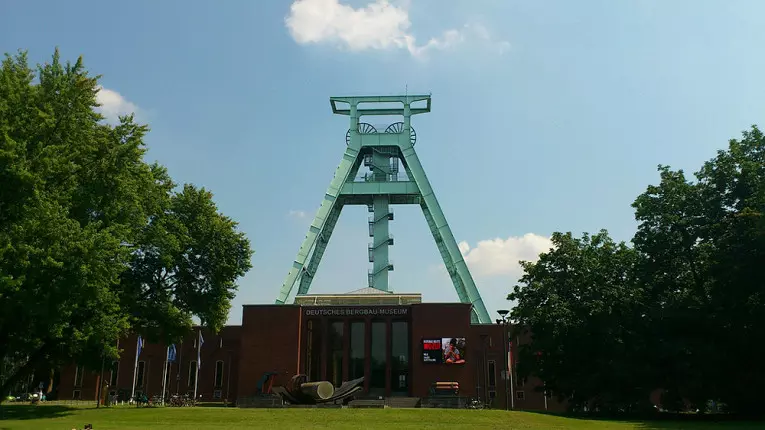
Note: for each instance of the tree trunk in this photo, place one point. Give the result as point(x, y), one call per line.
point(34, 360)
point(51, 377)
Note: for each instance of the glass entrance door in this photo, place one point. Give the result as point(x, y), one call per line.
point(378, 357)
point(399, 360)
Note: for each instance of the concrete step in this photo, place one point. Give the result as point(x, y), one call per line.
point(403, 402)
point(260, 402)
point(366, 403)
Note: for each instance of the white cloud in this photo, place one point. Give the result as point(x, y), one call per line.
point(494, 266)
point(113, 104)
point(483, 33)
point(498, 257)
point(296, 214)
point(378, 25)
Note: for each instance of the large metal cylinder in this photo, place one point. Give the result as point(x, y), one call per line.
point(320, 390)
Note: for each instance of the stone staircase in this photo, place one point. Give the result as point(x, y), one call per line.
point(367, 403)
point(260, 402)
point(402, 402)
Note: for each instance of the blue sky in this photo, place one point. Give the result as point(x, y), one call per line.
point(547, 115)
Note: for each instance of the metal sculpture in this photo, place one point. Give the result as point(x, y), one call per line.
point(382, 152)
point(301, 392)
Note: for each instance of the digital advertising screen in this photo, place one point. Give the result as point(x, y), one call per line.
point(445, 350)
point(431, 351)
point(453, 350)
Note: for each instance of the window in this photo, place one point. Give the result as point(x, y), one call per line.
point(492, 395)
point(218, 373)
point(313, 351)
point(520, 395)
point(115, 372)
point(358, 353)
point(76, 395)
point(378, 355)
point(336, 353)
point(220, 342)
point(492, 373)
point(169, 365)
point(399, 351)
point(78, 374)
point(192, 374)
point(168, 371)
point(139, 374)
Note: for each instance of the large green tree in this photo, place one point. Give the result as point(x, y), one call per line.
point(95, 241)
point(682, 312)
point(704, 243)
point(582, 305)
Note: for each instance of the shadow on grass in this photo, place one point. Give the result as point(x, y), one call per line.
point(669, 421)
point(29, 412)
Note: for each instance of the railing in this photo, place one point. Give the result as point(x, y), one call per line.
point(379, 128)
point(371, 275)
point(389, 177)
point(445, 402)
point(372, 219)
point(392, 299)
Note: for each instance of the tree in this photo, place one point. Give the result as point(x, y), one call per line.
point(704, 247)
point(185, 264)
point(673, 240)
point(582, 305)
point(733, 189)
point(683, 311)
point(80, 211)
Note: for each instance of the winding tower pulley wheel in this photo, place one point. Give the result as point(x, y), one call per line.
point(398, 127)
point(364, 128)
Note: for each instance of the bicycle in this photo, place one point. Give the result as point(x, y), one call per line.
point(474, 403)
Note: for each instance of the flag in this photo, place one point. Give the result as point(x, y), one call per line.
point(171, 353)
point(199, 350)
point(138, 347)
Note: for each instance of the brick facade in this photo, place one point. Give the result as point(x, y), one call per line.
point(291, 339)
point(222, 347)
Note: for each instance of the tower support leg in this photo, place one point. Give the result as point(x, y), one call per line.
point(318, 251)
point(455, 263)
point(328, 205)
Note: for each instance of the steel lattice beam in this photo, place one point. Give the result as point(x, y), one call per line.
point(381, 151)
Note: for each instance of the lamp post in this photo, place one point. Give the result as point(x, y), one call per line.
point(504, 322)
point(100, 388)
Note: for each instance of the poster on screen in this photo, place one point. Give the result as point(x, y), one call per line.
point(445, 350)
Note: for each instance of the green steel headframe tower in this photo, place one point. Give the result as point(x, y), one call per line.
point(381, 150)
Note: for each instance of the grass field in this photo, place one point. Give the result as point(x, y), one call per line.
point(131, 418)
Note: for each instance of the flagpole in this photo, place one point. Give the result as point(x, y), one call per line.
point(196, 377)
point(135, 366)
point(164, 375)
point(178, 370)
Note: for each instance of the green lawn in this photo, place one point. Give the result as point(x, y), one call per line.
point(65, 418)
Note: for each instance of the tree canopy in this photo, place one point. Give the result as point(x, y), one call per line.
point(682, 310)
point(94, 241)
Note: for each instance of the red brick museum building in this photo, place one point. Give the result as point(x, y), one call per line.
point(400, 346)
